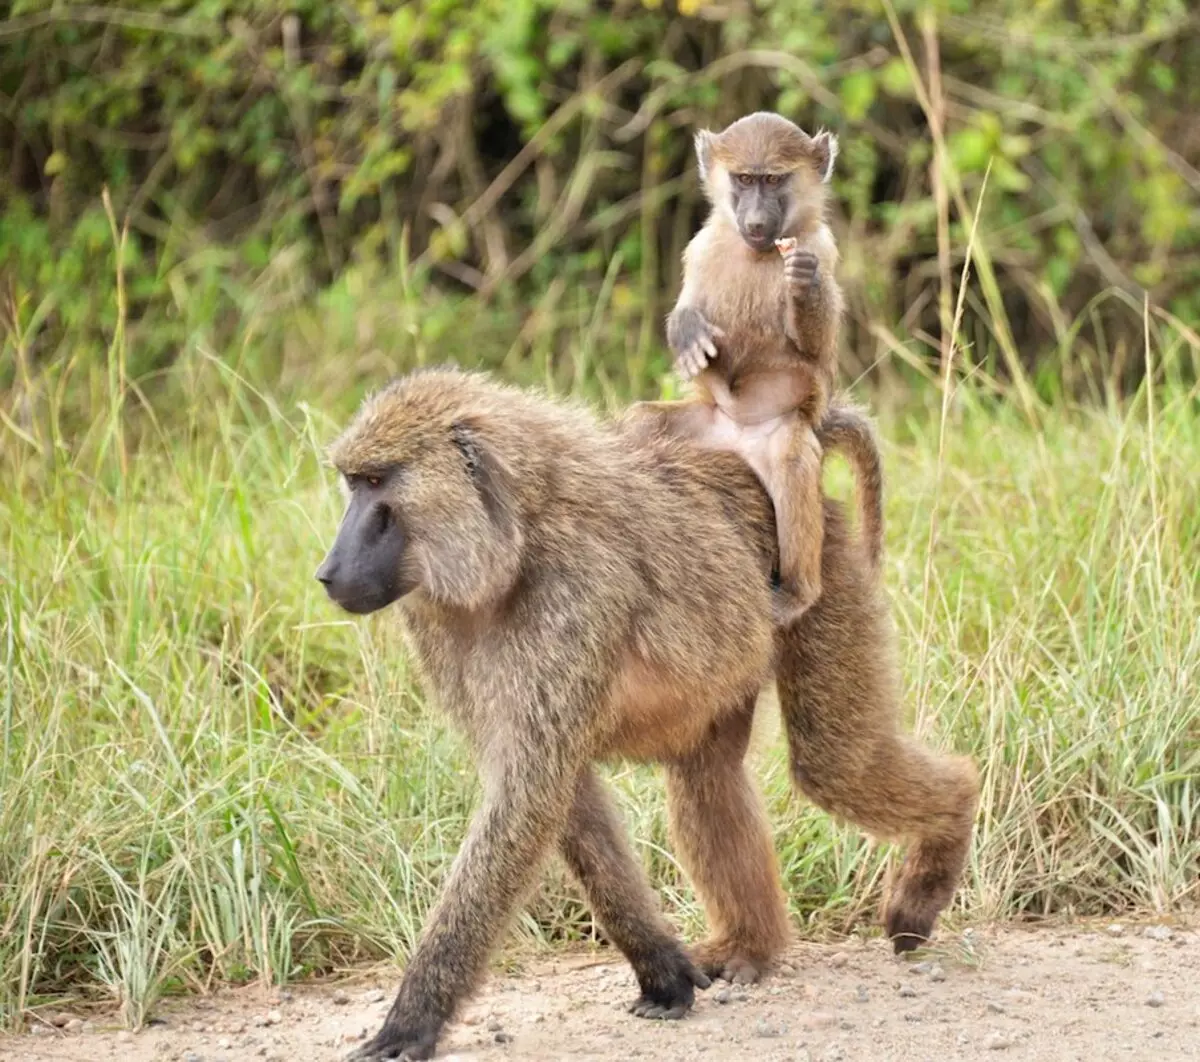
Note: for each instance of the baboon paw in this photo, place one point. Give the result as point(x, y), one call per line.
point(694, 341)
point(648, 1008)
point(669, 992)
point(414, 1045)
point(908, 929)
point(737, 969)
point(800, 271)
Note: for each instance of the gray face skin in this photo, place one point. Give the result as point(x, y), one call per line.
point(760, 207)
point(362, 571)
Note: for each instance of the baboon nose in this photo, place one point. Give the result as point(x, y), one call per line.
point(325, 573)
point(756, 229)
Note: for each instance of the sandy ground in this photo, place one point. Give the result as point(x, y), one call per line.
point(1122, 991)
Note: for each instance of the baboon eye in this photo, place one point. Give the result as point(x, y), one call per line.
point(372, 481)
point(774, 178)
point(745, 178)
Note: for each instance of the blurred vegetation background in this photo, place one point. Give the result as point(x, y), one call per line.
point(514, 161)
point(222, 220)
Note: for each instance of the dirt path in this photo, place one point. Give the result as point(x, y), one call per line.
point(1087, 993)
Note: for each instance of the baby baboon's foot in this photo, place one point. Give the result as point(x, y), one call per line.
point(787, 605)
point(668, 983)
point(725, 960)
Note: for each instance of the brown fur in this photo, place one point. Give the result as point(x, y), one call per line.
point(560, 566)
point(760, 333)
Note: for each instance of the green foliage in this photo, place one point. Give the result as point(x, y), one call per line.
point(234, 134)
point(208, 774)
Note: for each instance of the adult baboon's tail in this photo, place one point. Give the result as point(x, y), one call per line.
point(848, 429)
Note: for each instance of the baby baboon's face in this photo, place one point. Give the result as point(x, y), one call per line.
point(760, 206)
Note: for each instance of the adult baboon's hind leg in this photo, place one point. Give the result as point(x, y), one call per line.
point(719, 829)
point(596, 851)
point(839, 694)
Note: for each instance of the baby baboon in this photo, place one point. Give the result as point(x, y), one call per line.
point(550, 571)
point(759, 335)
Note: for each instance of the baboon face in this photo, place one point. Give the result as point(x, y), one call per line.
point(364, 570)
point(429, 506)
point(765, 173)
point(760, 205)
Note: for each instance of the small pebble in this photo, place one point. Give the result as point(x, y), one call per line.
point(838, 959)
point(762, 1027)
point(1158, 932)
point(1156, 999)
point(923, 968)
point(75, 1025)
point(504, 1038)
point(124, 1036)
point(738, 996)
point(1116, 930)
point(494, 1026)
point(936, 973)
point(340, 998)
point(861, 995)
point(376, 995)
point(191, 1056)
point(997, 1042)
point(908, 992)
point(996, 1008)
point(60, 1019)
point(834, 1053)
point(722, 996)
point(224, 1043)
point(41, 1030)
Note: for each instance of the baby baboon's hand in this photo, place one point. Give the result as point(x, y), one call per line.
point(693, 341)
point(799, 267)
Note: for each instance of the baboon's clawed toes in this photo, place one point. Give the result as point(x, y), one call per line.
point(397, 1041)
point(727, 962)
point(668, 991)
point(909, 930)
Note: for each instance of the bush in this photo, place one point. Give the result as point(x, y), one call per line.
point(528, 146)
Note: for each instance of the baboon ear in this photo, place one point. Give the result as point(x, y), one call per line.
point(704, 146)
point(486, 470)
point(473, 554)
point(825, 149)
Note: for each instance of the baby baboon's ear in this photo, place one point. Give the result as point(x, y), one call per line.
point(704, 145)
point(825, 149)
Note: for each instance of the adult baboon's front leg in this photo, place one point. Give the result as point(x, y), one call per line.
point(595, 848)
point(519, 821)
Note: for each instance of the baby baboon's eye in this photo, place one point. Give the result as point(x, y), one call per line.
point(372, 481)
point(745, 178)
point(774, 178)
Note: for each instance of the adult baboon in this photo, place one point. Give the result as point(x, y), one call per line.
point(552, 574)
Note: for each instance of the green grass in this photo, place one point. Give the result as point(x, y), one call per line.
point(209, 774)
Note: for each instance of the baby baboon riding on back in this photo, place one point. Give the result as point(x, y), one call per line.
point(759, 335)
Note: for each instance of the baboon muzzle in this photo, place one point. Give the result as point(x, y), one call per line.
point(361, 572)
